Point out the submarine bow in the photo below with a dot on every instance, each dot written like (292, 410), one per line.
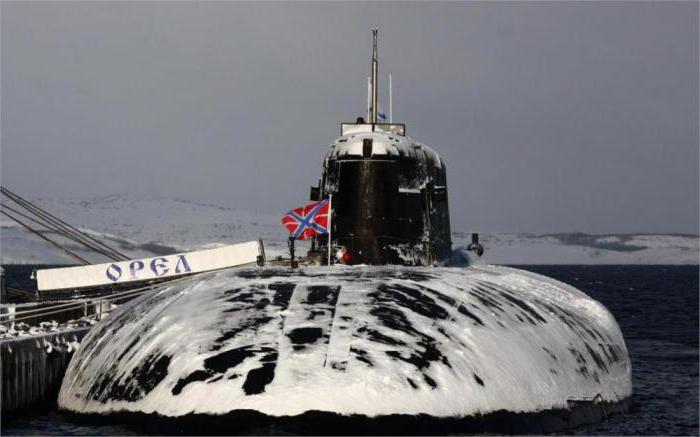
(369, 341)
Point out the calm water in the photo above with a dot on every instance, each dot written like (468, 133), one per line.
(657, 309)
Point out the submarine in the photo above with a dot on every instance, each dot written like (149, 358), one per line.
(396, 338)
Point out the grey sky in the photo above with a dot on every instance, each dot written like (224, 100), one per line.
(552, 117)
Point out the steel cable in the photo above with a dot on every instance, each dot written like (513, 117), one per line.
(60, 232)
(43, 237)
(66, 227)
(38, 312)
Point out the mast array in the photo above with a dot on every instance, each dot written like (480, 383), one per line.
(375, 74)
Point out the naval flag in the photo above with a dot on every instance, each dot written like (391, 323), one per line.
(307, 221)
(380, 114)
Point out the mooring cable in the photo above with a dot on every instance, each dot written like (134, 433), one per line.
(62, 229)
(39, 312)
(68, 228)
(75, 307)
(59, 231)
(56, 228)
(43, 237)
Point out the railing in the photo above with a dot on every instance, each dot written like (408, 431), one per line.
(76, 304)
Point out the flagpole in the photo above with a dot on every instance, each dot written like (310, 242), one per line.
(291, 252)
(330, 222)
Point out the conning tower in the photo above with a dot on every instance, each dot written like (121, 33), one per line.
(389, 192)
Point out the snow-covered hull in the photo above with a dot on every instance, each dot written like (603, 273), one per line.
(368, 341)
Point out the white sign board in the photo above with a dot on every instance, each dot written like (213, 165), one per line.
(148, 268)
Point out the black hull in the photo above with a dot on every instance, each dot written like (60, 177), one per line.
(249, 422)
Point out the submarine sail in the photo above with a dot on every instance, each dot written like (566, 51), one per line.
(390, 203)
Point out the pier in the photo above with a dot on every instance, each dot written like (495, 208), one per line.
(33, 367)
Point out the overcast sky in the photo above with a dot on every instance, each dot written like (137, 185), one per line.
(552, 117)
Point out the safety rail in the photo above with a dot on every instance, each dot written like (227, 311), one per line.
(6, 318)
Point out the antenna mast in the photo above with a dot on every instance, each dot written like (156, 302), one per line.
(369, 99)
(375, 73)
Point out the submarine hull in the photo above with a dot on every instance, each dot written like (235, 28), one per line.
(353, 343)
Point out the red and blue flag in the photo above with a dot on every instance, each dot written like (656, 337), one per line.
(307, 221)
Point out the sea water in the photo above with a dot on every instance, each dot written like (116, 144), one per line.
(656, 308)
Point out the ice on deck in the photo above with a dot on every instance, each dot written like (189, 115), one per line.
(447, 342)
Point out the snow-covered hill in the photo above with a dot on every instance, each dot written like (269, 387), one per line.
(144, 226)
(141, 226)
(578, 248)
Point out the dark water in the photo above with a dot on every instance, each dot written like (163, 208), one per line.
(657, 310)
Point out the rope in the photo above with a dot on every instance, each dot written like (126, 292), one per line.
(109, 310)
(48, 308)
(52, 227)
(71, 308)
(61, 232)
(18, 292)
(76, 307)
(10, 278)
(50, 241)
(66, 227)
(48, 217)
(60, 226)
(38, 312)
(74, 303)
(37, 303)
